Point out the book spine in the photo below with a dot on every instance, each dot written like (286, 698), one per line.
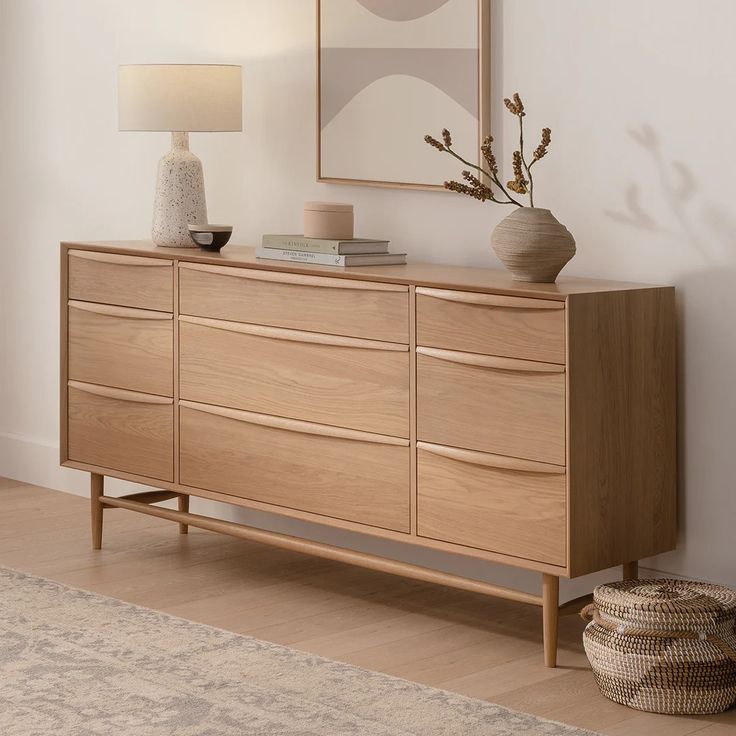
(321, 259)
(301, 244)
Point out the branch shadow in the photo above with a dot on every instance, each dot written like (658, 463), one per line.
(679, 189)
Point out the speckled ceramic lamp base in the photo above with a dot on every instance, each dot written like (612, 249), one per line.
(180, 195)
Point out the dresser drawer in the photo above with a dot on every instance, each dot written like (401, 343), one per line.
(498, 405)
(311, 467)
(123, 430)
(532, 329)
(499, 504)
(313, 303)
(129, 281)
(342, 381)
(121, 347)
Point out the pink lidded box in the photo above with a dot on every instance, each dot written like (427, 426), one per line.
(330, 220)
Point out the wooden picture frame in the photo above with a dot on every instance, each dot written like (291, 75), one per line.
(463, 145)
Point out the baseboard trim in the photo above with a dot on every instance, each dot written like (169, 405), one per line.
(34, 461)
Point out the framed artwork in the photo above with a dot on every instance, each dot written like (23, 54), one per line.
(388, 73)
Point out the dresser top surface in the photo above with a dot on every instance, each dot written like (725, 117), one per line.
(434, 275)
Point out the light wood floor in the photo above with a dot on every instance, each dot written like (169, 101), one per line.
(481, 647)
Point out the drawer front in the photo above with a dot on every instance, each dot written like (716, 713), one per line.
(129, 281)
(121, 347)
(531, 329)
(493, 503)
(323, 470)
(312, 303)
(342, 381)
(121, 430)
(498, 405)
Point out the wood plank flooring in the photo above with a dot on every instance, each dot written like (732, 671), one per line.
(477, 646)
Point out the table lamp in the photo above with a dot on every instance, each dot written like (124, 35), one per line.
(179, 99)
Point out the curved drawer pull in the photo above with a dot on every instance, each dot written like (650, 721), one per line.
(491, 461)
(278, 333)
(127, 312)
(491, 361)
(490, 300)
(284, 277)
(118, 393)
(295, 425)
(90, 255)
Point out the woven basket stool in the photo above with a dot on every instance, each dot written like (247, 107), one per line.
(665, 646)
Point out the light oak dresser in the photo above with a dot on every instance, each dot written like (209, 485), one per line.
(443, 407)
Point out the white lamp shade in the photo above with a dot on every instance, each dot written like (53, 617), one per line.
(180, 97)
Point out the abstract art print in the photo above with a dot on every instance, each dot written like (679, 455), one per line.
(391, 71)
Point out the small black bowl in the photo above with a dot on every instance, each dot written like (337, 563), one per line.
(210, 237)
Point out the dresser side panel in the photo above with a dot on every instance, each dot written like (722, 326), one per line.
(621, 427)
(63, 354)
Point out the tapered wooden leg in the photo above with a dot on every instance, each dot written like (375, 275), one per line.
(631, 570)
(96, 489)
(183, 506)
(550, 615)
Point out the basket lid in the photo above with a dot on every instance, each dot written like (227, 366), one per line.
(665, 596)
(328, 206)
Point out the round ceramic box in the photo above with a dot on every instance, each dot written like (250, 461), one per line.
(329, 220)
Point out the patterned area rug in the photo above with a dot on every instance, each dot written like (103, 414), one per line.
(74, 663)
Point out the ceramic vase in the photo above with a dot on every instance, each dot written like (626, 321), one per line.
(532, 244)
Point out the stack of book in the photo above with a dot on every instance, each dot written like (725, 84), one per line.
(323, 252)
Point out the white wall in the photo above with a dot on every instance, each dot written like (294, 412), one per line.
(640, 99)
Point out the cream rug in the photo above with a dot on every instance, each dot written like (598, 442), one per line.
(74, 663)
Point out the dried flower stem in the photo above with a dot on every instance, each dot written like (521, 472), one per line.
(522, 183)
(493, 177)
(523, 161)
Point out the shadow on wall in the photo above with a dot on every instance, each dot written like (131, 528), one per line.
(702, 234)
(685, 210)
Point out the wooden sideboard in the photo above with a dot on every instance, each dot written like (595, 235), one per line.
(443, 407)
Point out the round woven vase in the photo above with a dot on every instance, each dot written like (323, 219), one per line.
(533, 244)
(664, 646)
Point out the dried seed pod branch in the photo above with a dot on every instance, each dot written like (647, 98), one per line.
(492, 175)
(515, 107)
(522, 183)
(541, 150)
(519, 184)
(487, 151)
(481, 192)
